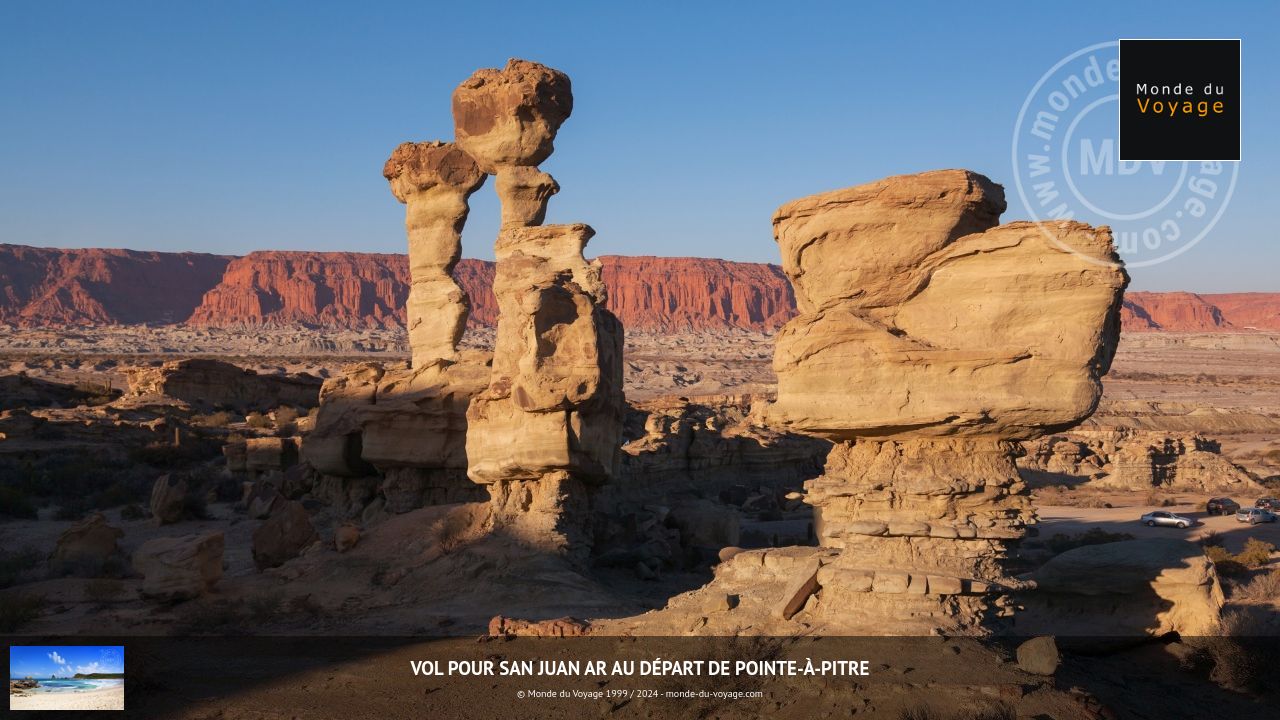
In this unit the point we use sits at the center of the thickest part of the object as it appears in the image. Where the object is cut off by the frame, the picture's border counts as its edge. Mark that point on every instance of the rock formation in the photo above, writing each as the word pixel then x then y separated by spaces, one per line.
pixel 1125 589
pixel 86 548
pixel 214 383
pixel 179 568
pixel 168 499
pixel 283 535
pixel 929 339
pixel 1134 460
pixel 433 180
pixel 550 420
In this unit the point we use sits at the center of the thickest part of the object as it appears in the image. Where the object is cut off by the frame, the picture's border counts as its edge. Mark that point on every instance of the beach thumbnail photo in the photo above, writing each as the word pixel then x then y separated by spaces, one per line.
pixel 66 677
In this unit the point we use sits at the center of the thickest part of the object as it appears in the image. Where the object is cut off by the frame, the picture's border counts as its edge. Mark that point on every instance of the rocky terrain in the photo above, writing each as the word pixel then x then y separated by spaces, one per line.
pixel 854 444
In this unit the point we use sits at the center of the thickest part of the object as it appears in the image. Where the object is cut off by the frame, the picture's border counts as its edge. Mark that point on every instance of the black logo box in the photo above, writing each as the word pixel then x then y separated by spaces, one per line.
pixel 1208 133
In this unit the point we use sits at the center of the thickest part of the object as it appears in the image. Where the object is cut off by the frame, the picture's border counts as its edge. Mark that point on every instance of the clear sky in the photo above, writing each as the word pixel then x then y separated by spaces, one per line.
pixel 40 661
pixel 236 126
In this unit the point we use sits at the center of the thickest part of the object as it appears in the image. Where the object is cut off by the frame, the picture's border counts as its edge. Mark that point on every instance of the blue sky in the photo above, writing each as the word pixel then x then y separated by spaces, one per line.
pixel 41 661
pixel 234 126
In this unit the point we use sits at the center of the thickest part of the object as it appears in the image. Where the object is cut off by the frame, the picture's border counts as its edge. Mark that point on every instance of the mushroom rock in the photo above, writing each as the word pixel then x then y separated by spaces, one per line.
pixel 928 339
pixel 549 424
pixel 434 180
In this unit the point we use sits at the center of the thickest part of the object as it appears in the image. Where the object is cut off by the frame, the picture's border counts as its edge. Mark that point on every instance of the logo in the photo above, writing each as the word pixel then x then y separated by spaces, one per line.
pixel 1067 166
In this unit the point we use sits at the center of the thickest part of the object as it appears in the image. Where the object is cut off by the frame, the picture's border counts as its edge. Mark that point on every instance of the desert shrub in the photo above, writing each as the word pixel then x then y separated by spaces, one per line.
pixel 1263 588
pixel 1245 651
pixel 1224 562
pixel 18 610
pixel 1256 553
pixel 1061 543
pixel 1211 539
pixel 14 564
pixel 218 419
pixel 286 414
pixel 1158 499
pixel 14 503
pixel 257 420
pixel 96 393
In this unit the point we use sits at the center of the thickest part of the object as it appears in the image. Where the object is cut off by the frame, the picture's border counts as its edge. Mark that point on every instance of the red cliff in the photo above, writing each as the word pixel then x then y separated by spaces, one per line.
pixel 45 286
pixel 92 286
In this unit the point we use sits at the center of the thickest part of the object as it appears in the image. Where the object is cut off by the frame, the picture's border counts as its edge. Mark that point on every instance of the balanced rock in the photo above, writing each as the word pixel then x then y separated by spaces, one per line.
pixel 283 536
pixel 509 116
pixel 86 548
pixel 950 337
pixel 179 568
pixel 549 423
pixel 945 324
pixel 434 180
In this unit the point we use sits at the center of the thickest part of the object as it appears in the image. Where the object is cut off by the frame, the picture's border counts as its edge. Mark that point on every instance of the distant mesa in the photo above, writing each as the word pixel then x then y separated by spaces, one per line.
pixel 56 287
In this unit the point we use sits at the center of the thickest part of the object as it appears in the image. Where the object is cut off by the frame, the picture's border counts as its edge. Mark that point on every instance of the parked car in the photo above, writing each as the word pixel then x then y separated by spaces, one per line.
pixel 1268 503
pixel 1167 519
pixel 1255 515
pixel 1222 506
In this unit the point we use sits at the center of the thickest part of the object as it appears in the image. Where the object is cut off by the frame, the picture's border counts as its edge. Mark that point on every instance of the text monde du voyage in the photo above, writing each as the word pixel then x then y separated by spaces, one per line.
pixel 1180 99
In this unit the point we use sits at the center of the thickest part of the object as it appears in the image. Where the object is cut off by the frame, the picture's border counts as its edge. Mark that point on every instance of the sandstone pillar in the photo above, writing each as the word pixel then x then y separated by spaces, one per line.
pixel 549 424
pixel 434 180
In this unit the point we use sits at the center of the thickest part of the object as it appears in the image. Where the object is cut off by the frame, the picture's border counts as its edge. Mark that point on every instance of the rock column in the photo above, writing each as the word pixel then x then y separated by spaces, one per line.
pixel 434 180
pixel 549 424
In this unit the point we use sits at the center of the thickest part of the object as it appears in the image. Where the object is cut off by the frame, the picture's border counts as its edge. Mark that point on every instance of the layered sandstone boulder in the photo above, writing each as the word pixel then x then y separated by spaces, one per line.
pixel 945 324
pixel 1122 589
pixel 86 548
pixel 213 383
pixel 434 180
pixel 928 339
pixel 180 568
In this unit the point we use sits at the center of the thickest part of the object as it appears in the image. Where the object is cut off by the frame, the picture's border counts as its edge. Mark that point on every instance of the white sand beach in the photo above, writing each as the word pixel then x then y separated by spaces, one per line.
pixel 108 698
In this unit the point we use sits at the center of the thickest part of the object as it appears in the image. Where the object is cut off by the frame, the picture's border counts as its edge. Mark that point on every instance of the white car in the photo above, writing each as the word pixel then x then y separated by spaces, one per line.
pixel 1255 515
pixel 1167 519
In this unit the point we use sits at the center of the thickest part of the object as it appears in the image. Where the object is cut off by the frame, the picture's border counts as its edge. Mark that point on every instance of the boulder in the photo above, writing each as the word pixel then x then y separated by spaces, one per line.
pixel 283 536
pixel 346 537
pixel 169 499
pixel 1125 589
pixel 1039 656
pixel 86 548
pixel 946 324
pixel 509 116
pixel 179 568
pixel 213 383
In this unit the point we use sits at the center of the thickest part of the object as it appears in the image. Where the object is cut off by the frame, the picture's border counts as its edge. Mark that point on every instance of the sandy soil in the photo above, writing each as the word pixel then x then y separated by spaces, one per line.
pixel 109 698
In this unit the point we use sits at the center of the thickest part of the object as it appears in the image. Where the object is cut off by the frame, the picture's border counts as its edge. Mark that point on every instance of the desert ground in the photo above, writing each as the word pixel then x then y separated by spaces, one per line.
pixel 1224 386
